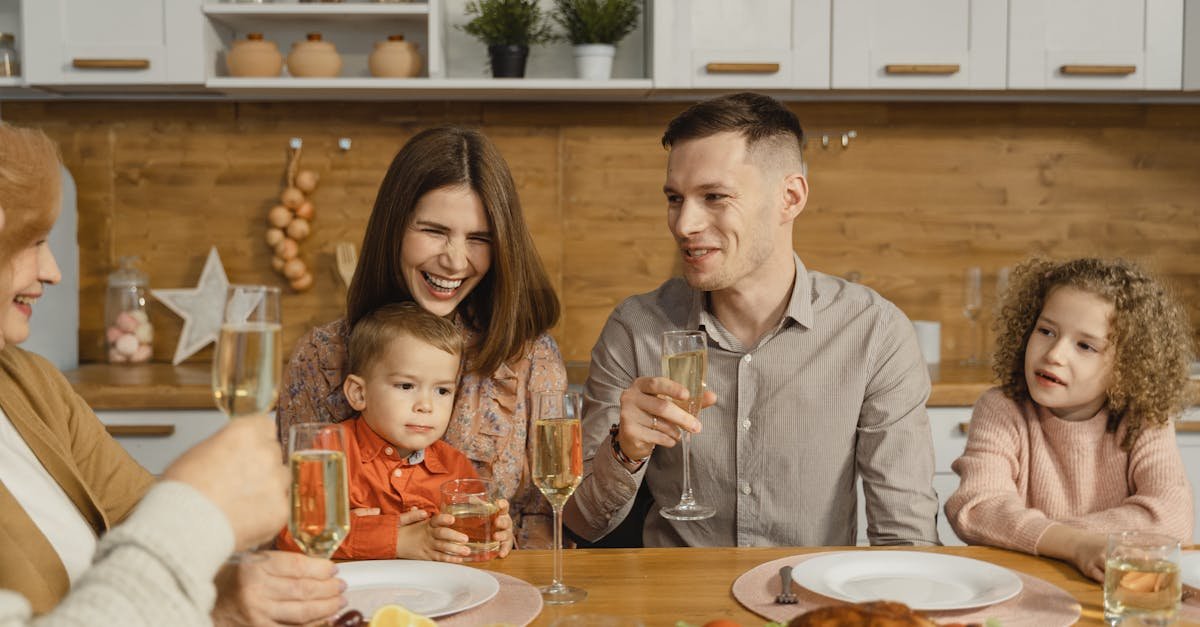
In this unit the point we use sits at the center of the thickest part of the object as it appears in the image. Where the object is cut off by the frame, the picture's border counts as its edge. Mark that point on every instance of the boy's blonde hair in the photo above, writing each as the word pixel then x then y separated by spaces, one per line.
pixel 374 332
pixel 1149 332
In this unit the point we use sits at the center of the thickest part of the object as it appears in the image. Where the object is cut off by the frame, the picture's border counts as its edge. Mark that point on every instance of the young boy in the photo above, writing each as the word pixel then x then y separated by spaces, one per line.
pixel 404 365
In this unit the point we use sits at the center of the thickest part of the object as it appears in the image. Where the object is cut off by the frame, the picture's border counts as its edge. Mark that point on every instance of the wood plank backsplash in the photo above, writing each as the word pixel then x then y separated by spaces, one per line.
pixel 923 191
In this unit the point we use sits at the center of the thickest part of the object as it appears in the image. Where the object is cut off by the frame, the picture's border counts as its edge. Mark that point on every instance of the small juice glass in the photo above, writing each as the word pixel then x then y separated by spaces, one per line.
pixel 472 503
pixel 1142 582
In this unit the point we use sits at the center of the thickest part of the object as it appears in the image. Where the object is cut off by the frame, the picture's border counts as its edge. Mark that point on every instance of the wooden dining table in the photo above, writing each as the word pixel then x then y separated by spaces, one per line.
pixel 663 586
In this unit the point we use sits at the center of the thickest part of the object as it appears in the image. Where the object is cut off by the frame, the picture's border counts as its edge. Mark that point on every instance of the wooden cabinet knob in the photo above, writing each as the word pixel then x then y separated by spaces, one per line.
pixel 741 68
pixel 140 431
pixel 939 69
pixel 110 64
pixel 1098 70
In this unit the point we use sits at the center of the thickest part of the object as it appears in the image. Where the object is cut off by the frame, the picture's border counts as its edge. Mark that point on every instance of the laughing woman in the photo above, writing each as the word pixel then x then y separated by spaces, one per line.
pixel 65 484
pixel 447 232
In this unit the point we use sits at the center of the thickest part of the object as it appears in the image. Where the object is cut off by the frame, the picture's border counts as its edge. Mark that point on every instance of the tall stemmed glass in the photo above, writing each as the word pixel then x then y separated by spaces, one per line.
pixel 245 367
pixel 320 517
pixel 245 373
pixel 684 360
pixel 972 308
pixel 557 470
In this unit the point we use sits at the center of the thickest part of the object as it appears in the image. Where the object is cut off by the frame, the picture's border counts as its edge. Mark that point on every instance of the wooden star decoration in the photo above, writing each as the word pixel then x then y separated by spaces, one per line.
pixel 200 307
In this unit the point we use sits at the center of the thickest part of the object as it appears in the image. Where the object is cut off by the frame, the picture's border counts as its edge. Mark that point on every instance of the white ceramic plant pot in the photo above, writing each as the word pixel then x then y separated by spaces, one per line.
pixel 593 62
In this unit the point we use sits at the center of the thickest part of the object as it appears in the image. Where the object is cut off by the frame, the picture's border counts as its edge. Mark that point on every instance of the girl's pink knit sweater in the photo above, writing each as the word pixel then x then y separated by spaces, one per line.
pixel 1025 469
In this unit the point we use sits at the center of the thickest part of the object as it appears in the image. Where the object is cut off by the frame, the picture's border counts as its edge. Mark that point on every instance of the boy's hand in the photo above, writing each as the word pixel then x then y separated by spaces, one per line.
pixel 433 541
pixel 504 529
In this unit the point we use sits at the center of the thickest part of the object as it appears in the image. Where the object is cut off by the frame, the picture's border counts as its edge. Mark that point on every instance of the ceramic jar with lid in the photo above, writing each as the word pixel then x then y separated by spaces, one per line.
pixel 314 58
pixel 9 63
pixel 395 58
pixel 254 56
pixel 128 334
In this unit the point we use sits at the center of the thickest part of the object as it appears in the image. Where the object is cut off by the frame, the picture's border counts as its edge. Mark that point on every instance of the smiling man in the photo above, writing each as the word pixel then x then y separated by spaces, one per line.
pixel 813 382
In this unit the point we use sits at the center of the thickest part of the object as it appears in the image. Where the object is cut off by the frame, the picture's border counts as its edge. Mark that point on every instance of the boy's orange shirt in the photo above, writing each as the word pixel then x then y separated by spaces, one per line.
pixel 378 477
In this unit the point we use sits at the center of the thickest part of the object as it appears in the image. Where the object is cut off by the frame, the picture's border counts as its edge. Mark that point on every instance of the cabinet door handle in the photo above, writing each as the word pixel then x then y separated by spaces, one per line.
pixel 110 64
pixel 1187 426
pixel 141 431
pixel 940 69
pixel 963 427
pixel 1098 70
pixel 741 68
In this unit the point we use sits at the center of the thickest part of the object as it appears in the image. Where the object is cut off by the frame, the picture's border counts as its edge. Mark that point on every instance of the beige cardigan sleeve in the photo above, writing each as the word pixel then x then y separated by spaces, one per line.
pixel 156 568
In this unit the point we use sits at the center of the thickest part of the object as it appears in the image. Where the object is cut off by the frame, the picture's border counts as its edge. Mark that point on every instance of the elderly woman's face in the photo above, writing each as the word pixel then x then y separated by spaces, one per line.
pixel 447 248
pixel 21 285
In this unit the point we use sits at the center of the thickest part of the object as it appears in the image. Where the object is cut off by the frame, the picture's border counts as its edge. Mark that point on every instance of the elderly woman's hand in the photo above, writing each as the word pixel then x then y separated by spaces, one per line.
pixel 239 469
pixel 278 588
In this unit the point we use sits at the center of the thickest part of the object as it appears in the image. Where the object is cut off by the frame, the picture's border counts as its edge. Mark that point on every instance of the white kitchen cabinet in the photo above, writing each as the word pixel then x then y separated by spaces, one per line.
pixel 742 44
pixel 1191 45
pixel 115 42
pixel 1095 44
pixel 156 437
pixel 928 44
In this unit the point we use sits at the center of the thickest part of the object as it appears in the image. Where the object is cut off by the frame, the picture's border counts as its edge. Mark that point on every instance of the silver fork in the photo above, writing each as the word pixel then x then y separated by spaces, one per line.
pixel 786 597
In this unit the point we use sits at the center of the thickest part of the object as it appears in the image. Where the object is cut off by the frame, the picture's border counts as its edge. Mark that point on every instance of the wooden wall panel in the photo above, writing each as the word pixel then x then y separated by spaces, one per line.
pixel 923 191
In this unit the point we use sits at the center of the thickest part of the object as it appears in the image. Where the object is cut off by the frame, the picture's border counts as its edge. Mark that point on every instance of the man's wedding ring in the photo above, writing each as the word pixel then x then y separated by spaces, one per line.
pixel 654 422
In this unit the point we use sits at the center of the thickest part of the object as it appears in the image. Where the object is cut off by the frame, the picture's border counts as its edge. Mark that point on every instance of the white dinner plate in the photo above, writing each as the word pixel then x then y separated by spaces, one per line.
pixel 1189 569
pixel 923 581
pixel 428 588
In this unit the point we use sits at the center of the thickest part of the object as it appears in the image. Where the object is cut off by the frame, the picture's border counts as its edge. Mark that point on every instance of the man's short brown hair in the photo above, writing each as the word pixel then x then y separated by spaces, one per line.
pixel 374 332
pixel 755 117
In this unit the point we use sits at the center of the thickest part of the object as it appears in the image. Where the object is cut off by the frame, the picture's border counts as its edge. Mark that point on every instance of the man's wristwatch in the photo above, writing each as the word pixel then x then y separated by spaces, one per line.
pixel 616 446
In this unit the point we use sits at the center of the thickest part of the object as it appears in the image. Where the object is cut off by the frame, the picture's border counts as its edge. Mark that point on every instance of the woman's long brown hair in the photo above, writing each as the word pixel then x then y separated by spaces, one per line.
pixel 514 302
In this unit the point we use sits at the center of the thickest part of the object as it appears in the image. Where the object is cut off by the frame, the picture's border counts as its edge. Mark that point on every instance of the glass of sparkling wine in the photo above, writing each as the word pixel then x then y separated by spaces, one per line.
pixel 246 368
pixel 1141 578
pixel 557 470
pixel 684 360
pixel 320 516
pixel 472 503
pixel 972 308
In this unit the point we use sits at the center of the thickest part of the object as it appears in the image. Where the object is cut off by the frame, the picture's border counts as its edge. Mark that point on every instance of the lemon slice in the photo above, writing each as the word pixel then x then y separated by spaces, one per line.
pixel 399 616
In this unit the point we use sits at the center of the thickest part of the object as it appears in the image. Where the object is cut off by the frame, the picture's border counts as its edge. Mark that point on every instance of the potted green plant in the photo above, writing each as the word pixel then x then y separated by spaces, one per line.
pixel 595 27
pixel 509 28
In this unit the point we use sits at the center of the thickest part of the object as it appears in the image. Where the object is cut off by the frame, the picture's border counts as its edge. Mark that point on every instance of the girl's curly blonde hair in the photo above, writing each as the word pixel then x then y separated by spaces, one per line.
pixel 1150 333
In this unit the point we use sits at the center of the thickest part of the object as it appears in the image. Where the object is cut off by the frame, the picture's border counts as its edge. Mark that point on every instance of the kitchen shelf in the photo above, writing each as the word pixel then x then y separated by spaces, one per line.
pixel 431 88
pixel 242 15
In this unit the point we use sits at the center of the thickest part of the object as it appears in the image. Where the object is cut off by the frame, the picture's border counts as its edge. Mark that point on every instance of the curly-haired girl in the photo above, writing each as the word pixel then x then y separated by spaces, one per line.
pixel 1092 357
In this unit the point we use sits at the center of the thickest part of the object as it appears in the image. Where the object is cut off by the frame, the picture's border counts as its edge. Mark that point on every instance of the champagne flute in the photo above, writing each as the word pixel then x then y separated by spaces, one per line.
pixel 320 516
pixel 684 360
pixel 557 470
pixel 246 368
pixel 972 307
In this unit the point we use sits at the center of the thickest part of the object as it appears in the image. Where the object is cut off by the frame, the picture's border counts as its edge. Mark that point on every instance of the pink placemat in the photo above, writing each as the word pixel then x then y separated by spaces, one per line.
pixel 1039 604
pixel 517 603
